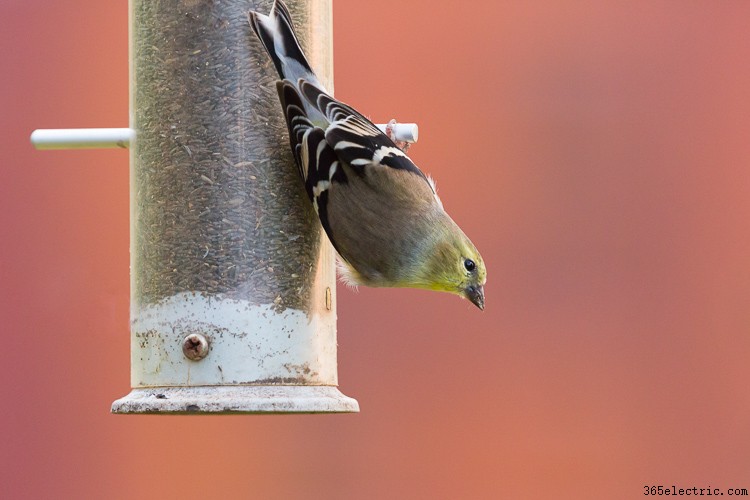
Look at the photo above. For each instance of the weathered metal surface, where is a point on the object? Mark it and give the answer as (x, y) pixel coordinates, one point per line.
(249, 343)
(236, 399)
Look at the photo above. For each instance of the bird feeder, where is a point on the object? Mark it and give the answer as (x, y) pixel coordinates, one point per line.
(233, 298)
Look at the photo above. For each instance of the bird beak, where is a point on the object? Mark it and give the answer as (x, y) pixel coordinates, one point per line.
(476, 295)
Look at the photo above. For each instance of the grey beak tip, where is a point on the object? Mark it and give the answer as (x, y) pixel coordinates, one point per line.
(476, 296)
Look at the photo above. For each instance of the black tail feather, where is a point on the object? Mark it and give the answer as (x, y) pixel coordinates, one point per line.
(278, 27)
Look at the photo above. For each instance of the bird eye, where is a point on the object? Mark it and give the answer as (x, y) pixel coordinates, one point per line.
(469, 265)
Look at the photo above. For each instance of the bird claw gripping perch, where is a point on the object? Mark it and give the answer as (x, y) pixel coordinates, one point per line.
(390, 131)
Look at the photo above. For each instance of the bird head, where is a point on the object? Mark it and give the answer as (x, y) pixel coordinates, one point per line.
(454, 265)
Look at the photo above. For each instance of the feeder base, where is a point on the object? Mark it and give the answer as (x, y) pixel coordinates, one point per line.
(236, 399)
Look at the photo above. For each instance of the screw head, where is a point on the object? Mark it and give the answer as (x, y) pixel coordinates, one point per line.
(195, 347)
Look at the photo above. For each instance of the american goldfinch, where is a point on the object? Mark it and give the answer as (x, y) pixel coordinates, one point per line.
(380, 212)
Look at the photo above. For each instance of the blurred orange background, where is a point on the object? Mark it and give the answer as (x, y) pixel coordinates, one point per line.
(598, 154)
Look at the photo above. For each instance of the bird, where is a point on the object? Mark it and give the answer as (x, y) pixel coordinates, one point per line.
(381, 213)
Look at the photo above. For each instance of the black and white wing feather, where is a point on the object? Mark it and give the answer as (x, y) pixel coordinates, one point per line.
(356, 139)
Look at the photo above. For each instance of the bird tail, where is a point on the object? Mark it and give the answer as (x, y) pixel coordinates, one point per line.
(277, 34)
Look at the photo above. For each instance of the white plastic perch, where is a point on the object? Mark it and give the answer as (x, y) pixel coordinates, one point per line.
(406, 132)
(82, 138)
(100, 138)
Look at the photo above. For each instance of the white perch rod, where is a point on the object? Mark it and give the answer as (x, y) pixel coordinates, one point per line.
(82, 138)
(97, 138)
(407, 132)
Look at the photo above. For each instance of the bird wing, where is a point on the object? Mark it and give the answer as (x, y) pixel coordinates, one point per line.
(357, 179)
(356, 140)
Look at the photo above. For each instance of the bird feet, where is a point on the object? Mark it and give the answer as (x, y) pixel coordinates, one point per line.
(389, 131)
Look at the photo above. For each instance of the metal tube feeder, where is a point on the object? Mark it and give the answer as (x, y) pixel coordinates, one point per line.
(233, 302)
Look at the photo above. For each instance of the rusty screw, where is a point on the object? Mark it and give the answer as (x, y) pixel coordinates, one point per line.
(195, 347)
